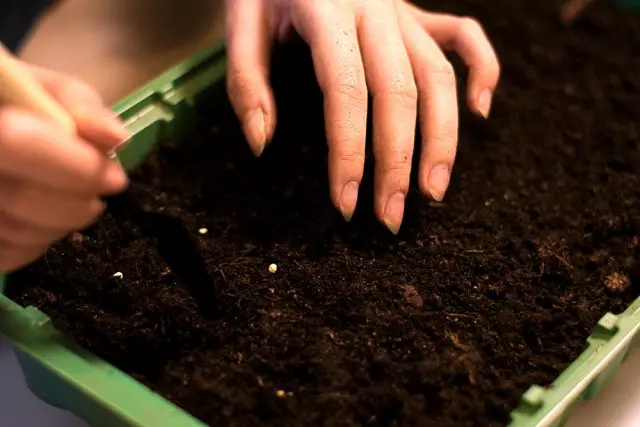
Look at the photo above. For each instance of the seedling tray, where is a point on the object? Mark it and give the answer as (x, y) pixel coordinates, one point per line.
(64, 375)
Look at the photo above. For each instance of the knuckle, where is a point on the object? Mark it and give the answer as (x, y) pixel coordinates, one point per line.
(445, 143)
(397, 163)
(351, 156)
(402, 89)
(442, 72)
(407, 93)
(350, 86)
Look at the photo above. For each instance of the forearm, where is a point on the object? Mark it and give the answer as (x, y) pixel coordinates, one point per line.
(117, 45)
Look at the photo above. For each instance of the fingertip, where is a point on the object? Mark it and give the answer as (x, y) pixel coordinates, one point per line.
(348, 200)
(114, 180)
(97, 206)
(436, 182)
(102, 128)
(394, 212)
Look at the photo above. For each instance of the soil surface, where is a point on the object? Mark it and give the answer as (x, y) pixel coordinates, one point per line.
(446, 324)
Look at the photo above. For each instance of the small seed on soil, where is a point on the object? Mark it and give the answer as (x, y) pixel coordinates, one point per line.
(280, 393)
(273, 268)
(118, 275)
(203, 231)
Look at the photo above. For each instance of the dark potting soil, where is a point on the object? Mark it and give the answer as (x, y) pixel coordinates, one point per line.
(446, 324)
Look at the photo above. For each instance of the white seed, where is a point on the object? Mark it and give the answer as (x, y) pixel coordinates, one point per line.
(203, 231)
(119, 275)
(273, 268)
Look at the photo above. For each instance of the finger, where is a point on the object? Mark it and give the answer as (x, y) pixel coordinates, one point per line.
(391, 82)
(438, 108)
(96, 123)
(330, 31)
(33, 150)
(21, 233)
(45, 208)
(248, 54)
(14, 257)
(468, 39)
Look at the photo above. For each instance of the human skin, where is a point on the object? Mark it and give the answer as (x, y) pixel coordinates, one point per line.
(387, 49)
(118, 45)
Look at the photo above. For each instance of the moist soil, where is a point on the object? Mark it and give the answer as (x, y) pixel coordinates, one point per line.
(446, 324)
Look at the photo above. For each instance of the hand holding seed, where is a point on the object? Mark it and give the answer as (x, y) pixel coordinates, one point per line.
(51, 182)
(386, 48)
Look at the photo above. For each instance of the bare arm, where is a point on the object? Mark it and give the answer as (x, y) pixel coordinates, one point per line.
(118, 45)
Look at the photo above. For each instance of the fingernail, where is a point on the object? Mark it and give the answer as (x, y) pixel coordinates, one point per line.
(484, 102)
(348, 200)
(438, 181)
(115, 179)
(394, 211)
(255, 130)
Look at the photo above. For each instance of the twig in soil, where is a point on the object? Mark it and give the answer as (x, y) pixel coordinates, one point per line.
(457, 315)
(455, 340)
(563, 261)
(178, 250)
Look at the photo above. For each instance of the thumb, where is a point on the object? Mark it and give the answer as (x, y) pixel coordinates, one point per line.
(95, 122)
(248, 56)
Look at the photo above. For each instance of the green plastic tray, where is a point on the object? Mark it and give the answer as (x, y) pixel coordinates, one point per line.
(67, 376)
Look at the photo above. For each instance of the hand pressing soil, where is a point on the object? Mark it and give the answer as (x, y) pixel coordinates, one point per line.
(447, 324)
